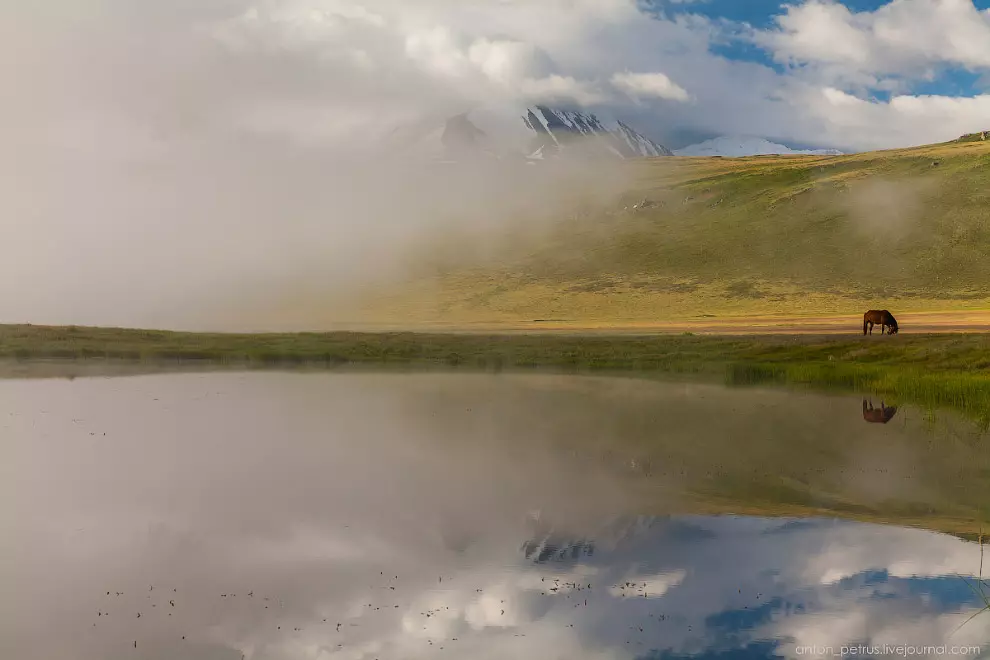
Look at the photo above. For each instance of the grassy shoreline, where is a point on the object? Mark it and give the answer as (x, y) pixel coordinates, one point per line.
(933, 371)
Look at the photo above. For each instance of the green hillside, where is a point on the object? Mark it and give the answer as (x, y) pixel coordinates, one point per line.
(810, 235)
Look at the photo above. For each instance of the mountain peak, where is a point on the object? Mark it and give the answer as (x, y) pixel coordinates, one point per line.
(459, 134)
(538, 132)
(554, 128)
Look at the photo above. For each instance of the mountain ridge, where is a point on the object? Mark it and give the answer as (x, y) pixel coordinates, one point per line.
(536, 133)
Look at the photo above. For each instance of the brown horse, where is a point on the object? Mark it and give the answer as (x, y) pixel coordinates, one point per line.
(880, 317)
(880, 415)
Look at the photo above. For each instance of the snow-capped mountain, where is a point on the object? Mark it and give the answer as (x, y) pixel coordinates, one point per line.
(534, 133)
(554, 129)
(735, 147)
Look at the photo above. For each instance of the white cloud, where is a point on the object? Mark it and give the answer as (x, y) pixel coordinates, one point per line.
(907, 37)
(439, 52)
(645, 85)
(503, 60)
(904, 120)
(478, 55)
(820, 31)
(561, 88)
(613, 55)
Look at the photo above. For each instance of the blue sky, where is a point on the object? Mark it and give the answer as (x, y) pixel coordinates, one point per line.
(780, 38)
(762, 14)
(759, 13)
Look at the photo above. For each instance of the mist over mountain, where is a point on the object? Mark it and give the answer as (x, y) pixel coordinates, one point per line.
(528, 134)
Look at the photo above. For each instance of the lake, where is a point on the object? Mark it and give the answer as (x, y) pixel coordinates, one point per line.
(215, 516)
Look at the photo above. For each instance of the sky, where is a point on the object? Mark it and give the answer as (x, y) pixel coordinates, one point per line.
(157, 151)
(855, 75)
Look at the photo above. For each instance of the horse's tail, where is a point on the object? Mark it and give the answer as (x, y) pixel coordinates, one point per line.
(864, 324)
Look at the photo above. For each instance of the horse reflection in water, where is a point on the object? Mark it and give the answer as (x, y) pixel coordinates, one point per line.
(880, 415)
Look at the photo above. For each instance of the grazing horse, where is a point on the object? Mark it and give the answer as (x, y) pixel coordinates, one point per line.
(880, 415)
(880, 317)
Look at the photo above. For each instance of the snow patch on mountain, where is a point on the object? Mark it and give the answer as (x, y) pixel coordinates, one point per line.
(639, 144)
(736, 147)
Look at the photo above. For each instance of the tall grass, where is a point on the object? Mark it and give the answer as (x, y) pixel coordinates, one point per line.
(981, 589)
(966, 392)
(935, 371)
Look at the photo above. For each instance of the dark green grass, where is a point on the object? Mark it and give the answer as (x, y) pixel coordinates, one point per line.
(934, 371)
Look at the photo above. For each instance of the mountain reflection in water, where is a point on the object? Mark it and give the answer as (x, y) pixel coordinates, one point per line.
(276, 516)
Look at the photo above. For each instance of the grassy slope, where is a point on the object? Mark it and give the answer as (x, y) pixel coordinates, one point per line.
(950, 371)
(748, 236)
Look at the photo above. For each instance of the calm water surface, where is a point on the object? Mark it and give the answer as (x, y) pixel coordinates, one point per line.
(283, 516)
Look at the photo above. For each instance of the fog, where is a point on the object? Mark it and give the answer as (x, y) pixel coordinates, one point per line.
(154, 175)
(234, 238)
(887, 208)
